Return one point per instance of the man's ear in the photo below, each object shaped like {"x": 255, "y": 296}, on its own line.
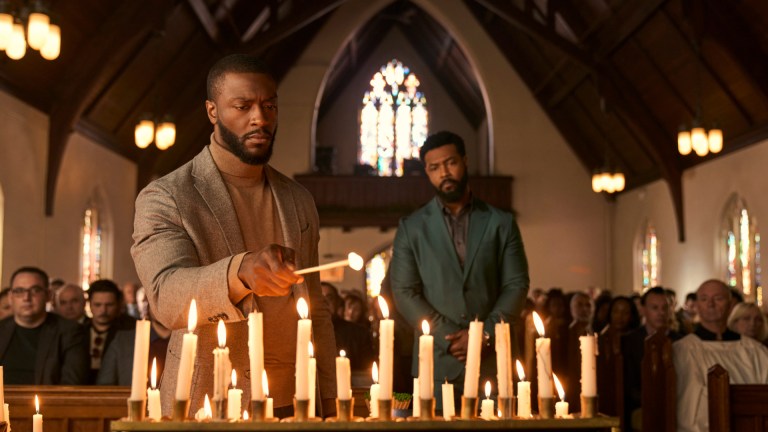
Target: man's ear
{"x": 210, "y": 109}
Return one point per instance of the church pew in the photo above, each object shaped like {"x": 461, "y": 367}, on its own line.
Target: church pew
{"x": 659, "y": 386}
{"x": 735, "y": 407}
{"x": 610, "y": 373}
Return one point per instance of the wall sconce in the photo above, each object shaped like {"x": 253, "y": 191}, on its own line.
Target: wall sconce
{"x": 41, "y": 34}
{"x": 163, "y": 133}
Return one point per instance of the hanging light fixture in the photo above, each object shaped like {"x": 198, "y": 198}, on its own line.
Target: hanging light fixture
{"x": 41, "y": 34}
{"x": 163, "y": 133}
{"x": 607, "y": 181}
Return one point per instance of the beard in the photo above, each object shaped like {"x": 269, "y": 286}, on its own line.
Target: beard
{"x": 236, "y": 144}
{"x": 460, "y": 187}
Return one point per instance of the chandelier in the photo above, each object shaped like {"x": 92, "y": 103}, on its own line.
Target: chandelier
{"x": 607, "y": 181}
{"x": 163, "y": 133}
{"x": 40, "y": 35}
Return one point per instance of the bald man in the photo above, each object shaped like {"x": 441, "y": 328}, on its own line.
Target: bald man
{"x": 70, "y": 303}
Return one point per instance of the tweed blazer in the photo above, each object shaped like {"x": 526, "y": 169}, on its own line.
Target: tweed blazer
{"x": 429, "y": 283}
{"x": 186, "y": 233}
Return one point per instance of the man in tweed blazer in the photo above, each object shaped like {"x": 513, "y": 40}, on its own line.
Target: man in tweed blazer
{"x": 228, "y": 230}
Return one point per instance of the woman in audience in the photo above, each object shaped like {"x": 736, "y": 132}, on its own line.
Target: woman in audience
{"x": 746, "y": 319}
{"x": 623, "y": 315}
{"x": 602, "y": 311}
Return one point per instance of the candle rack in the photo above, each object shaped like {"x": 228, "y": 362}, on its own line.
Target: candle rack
{"x": 507, "y": 406}
{"x": 468, "y": 408}
{"x": 136, "y": 409}
{"x": 546, "y": 408}
{"x": 180, "y": 410}
{"x": 588, "y": 406}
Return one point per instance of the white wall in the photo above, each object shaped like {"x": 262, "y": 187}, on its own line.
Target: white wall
{"x": 707, "y": 189}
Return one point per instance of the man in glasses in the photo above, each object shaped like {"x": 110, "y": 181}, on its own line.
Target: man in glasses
{"x": 37, "y": 347}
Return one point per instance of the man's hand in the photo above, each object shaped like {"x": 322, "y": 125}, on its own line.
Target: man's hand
{"x": 269, "y": 272}
{"x": 459, "y": 341}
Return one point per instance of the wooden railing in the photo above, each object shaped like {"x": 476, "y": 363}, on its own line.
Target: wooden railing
{"x": 357, "y": 201}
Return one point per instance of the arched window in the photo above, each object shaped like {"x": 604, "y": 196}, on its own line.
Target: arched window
{"x": 91, "y": 245}
{"x": 650, "y": 264}
{"x": 741, "y": 249}
{"x": 393, "y": 120}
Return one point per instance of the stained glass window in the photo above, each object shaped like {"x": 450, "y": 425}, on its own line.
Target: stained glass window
{"x": 650, "y": 257}
{"x": 393, "y": 120}
{"x": 92, "y": 241}
{"x": 741, "y": 241}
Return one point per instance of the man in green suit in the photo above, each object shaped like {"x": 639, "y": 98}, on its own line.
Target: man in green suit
{"x": 457, "y": 259}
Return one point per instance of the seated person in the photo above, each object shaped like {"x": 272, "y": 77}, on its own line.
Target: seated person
{"x": 711, "y": 342}
{"x": 37, "y": 347}
{"x": 5, "y": 303}
{"x": 354, "y": 339}
{"x": 70, "y": 303}
{"x": 746, "y": 319}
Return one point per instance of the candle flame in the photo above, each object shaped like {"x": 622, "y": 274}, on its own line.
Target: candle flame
{"x": 222, "y": 333}
{"x": 559, "y": 387}
{"x": 153, "y": 375}
{"x": 375, "y": 373}
{"x": 384, "y": 308}
{"x": 207, "y": 407}
{"x": 37, "y": 405}
{"x": 302, "y": 307}
{"x": 487, "y": 389}
{"x": 355, "y": 261}
{"x": 264, "y": 383}
{"x": 342, "y": 353}
{"x": 311, "y": 350}
{"x": 425, "y": 327}
{"x": 192, "y": 319}
{"x": 234, "y": 378}
{"x": 520, "y": 370}
{"x": 539, "y": 324}
{"x": 245, "y": 415}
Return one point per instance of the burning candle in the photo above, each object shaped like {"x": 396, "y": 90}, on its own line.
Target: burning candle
{"x": 153, "y": 395}
{"x": 486, "y": 409}
{"x": 449, "y": 409}
{"x": 474, "y": 347}
{"x": 270, "y": 411}
{"x": 140, "y": 357}
{"x": 245, "y": 415}
{"x": 561, "y": 408}
{"x": 503, "y": 360}
{"x": 256, "y": 353}
{"x": 375, "y": 388}
{"x": 234, "y": 399}
{"x": 543, "y": 359}
{"x": 188, "y": 352}
{"x": 302, "y": 354}
{"x": 343, "y": 377}
{"x": 426, "y": 364}
{"x": 386, "y": 351}
{"x": 588, "y": 365}
{"x": 523, "y": 393}
{"x": 37, "y": 419}
{"x": 222, "y": 366}
{"x": 312, "y": 380}
{"x": 204, "y": 413}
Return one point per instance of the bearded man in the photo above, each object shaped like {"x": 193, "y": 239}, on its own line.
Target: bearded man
{"x": 456, "y": 259}
{"x": 228, "y": 231}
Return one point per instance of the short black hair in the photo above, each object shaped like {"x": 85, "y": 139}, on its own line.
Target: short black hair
{"x": 234, "y": 63}
{"x": 690, "y": 296}
{"x": 4, "y": 292}
{"x": 440, "y": 139}
{"x": 35, "y": 270}
{"x": 104, "y": 286}
{"x": 655, "y": 290}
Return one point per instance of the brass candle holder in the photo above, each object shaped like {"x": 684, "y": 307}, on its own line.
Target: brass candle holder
{"x": 180, "y": 410}
{"x": 588, "y": 406}
{"x": 468, "y": 408}
{"x": 546, "y": 407}
{"x": 507, "y": 406}
{"x": 136, "y": 409}
{"x": 345, "y": 411}
{"x": 385, "y": 410}
{"x": 3, "y": 426}
{"x": 427, "y": 409}
{"x": 259, "y": 412}
{"x": 220, "y": 409}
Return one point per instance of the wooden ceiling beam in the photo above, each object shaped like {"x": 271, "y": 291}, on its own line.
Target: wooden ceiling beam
{"x": 120, "y": 37}
{"x": 206, "y": 19}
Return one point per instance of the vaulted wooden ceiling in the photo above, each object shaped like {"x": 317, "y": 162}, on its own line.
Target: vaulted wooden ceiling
{"x": 616, "y": 77}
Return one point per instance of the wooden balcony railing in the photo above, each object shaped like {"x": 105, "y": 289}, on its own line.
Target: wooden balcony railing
{"x": 363, "y": 201}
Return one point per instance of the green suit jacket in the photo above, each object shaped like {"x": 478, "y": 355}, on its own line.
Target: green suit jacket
{"x": 429, "y": 283}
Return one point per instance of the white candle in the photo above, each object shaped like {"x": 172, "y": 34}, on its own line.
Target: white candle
{"x": 3, "y": 416}
{"x": 256, "y": 353}
{"x": 561, "y": 408}
{"x": 7, "y": 416}
{"x": 449, "y": 410}
{"x": 375, "y": 391}
{"x": 153, "y": 395}
{"x": 343, "y": 377}
{"x": 140, "y": 358}
{"x": 386, "y": 351}
{"x": 543, "y": 359}
{"x": 270, "y": 411}
{"x": 222, "y": 366}
{"x": 37, "y": 419}
{"x": 486, "y": 408}
{"x": 312, "y": 381}
{"x": 302, "y": 355}
{"x": 415, "y": 399}
{"x": 503, "y": 359}
{"x": 234, "y": 399}
{"x": 188, "y": 353}
{"x": 426, "y": 364}
{"x": 523, "y": 393}
{"x": 588, "y": 365}
{"x": 474, "y": 346}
